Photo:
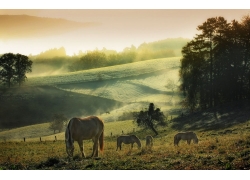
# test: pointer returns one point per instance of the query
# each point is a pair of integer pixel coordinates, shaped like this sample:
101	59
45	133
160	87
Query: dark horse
80	129
128	139
188	136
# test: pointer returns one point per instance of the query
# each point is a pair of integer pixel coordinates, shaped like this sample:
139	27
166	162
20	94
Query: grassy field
34	132
224	140
219	150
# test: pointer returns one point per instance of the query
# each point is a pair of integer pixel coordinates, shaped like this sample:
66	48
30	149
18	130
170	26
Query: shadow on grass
214	119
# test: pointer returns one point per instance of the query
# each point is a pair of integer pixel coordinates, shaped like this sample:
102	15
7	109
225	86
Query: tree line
56	58
215	64
13	68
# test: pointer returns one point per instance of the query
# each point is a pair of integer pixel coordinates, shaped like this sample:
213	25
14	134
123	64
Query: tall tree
22	66
13	68
7	68
215	64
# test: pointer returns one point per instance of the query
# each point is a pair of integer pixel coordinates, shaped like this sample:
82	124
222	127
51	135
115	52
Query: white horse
188	136
80	129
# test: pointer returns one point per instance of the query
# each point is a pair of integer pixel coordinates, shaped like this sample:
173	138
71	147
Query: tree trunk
153	129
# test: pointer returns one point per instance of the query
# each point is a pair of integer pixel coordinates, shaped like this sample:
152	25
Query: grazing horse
80	129
185	136
128	139
149	141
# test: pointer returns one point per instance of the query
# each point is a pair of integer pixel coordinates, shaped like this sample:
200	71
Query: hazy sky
113	29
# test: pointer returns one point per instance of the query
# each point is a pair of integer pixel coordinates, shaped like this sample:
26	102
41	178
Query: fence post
40	139
24	139
55	138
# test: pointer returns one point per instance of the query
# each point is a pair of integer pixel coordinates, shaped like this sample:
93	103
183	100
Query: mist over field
143	72
102	62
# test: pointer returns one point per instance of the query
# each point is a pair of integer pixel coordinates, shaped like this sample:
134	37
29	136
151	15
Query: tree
150	118
7	69
13	68
58	122
22	66
215	64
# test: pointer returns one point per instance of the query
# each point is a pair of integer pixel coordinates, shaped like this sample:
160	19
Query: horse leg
81	148
132	145
177	143
117	145
188	141
95	147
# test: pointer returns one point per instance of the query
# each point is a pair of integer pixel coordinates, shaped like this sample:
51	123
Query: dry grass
219	151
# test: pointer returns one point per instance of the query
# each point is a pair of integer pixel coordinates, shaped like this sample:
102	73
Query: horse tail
101	141
68	132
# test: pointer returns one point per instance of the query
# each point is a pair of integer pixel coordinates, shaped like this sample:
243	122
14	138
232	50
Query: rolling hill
115	89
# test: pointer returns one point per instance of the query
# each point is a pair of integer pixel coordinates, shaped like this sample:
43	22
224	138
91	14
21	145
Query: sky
102	27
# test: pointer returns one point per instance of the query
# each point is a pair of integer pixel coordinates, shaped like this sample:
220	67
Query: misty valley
174	103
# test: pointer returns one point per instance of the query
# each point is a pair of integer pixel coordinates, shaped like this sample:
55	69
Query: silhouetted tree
215	67
22	66
7	69
150	118
13	68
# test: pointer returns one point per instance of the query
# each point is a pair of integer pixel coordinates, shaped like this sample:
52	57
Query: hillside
116	89
33	105
107	73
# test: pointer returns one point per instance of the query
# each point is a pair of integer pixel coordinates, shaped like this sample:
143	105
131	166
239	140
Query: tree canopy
13	68
215	67
150	118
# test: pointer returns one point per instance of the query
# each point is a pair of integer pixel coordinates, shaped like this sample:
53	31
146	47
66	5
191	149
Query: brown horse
149	141
80	129
185	136
128	139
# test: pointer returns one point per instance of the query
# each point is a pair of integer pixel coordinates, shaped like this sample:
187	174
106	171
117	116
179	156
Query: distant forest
57	59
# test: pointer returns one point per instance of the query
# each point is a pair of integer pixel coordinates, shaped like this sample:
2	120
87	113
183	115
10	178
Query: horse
149	141
128	139
80	129
185	136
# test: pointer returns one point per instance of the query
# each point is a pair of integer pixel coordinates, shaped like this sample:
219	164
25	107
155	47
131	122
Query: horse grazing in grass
185	136
149	141
128	139
80	129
